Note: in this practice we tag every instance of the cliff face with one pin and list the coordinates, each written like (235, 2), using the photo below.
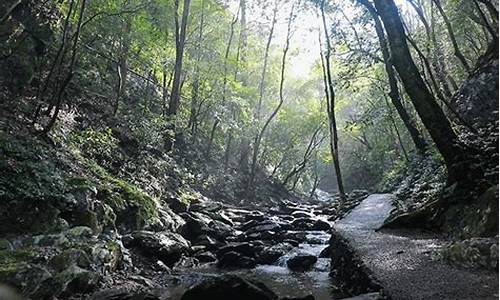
(477, 99)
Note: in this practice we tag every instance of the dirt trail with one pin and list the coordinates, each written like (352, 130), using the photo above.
(403, 262)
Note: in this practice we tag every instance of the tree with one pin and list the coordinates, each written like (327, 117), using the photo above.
(180, 40)
(415, 134)
(427, 108)
(330, 96)
(258, 108)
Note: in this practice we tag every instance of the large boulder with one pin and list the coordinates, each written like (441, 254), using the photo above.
(301, 262)
(195, 225)
(166, 246)
(229, 287)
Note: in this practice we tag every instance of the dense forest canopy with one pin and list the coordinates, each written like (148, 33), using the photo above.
(256, 147)
(210, 73)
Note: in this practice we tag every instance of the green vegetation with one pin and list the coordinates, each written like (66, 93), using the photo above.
(128, 103)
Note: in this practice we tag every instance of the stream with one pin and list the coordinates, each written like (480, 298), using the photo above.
(278, 277)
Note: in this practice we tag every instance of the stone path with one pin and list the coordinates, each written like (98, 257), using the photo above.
(402, 261)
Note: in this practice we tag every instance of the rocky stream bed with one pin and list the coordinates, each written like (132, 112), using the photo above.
(214, 252)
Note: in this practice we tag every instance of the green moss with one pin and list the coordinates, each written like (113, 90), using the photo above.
(80, 183)
(10, 260)
(121, 195)
(188, 196)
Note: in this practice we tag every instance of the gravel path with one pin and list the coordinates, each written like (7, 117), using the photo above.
(402, 261)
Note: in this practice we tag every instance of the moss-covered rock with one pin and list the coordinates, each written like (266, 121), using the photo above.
(478, 218)
(473, 253)
(108, 255)
(70, 257)
(5, 245)
(18, 270)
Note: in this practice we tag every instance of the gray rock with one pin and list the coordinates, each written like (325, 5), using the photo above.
(236, 260)
(229, 287)
(321, 225)
(301, 262)
(166, 246)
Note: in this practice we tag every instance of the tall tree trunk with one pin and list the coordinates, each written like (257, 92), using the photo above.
(330, 94)
(453, 39)
(122, 67)
(415, 134)
(196, 80)
(244, 146)
(438, 63)
(257, 113)
(180, 39)
(258, 138)
(262, 82)
(425, 104)
(229, 135)
(492, 29)
(70, 72)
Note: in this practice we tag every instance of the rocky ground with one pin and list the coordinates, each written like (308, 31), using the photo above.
(211, 245)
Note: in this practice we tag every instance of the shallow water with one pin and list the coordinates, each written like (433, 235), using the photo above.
(277, 277)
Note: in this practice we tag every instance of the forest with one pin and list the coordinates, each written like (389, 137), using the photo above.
(254, 149)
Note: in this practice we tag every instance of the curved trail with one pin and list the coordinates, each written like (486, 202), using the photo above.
(403, 262)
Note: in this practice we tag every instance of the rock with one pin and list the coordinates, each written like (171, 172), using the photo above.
(25, 277)
(122, 294)
(301, 262)
(219, 230)
(473, 253)
(170, 220)
(77, 280)
(166, 246)
(79, 232)
(236, 260)
(70, 257)
(187, 263)
(246, 249)
(271, 254)
(265, 226)
(205, 257)
(204, 206)
(5, 245)
(303, 224)
(325, 253)
(220, 216)
(302, 214)
(321, 225)
(368, 296)
(55, 240)
(294, 243)
(256, 216)
(249, 224)
(73, 280)
(206, 241)
(309, 297)
(195, 225)
(177, 205)
(108, 254)
(296, 236)
(229, 287)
